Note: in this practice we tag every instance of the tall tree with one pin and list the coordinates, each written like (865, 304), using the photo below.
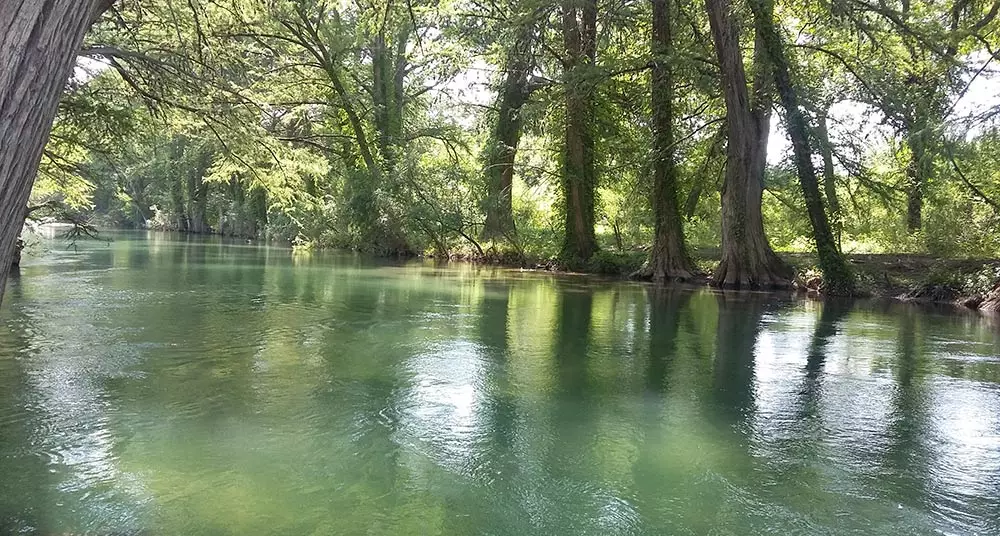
(829, 174)
(37, 50)
(501, 148)
(747, 259)
(669, 258)
(837, 275)
(579, 181)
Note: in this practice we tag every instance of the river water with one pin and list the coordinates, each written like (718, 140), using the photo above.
(168, 385)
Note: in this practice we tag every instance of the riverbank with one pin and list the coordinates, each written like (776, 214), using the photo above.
(966, 283)
(972, 284)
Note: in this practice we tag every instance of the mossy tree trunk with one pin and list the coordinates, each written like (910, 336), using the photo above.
(747, 259)
(919, 169)
(579, 181)
(837, 276)
(669, 258)
(178, 209)
(501, 149)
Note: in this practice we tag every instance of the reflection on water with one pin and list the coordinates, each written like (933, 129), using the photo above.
(166, 385)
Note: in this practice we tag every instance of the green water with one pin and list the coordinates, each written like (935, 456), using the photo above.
(163, 386)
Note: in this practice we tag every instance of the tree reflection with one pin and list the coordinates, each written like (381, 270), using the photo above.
(667, 307)
(830, 319)
(739, 325)
(907, 455)
(497, 462)
(573, 340)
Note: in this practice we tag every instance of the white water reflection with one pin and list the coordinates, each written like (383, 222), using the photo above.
(440, 410)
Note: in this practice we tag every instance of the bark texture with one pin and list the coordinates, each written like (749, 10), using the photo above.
(506, 135)
(38, 44)
(747, 258)
(837, 276)
(669, 258)
(579, 21)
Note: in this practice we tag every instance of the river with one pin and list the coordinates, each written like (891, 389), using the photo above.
(162, 384)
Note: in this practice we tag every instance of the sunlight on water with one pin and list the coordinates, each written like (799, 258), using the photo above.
(170, 385)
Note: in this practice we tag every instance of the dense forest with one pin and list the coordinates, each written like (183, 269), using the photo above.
(665, 138)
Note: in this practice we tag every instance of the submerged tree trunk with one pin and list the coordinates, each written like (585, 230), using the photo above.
(38, 46)
(502, 146)
(669, 258)
(579, 172)
(837, 276)
(747, 259)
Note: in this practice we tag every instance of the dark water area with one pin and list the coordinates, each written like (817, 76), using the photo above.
(162, 384)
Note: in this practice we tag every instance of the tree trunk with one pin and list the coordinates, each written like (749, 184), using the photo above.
(837, 276)
(38, 46)
(579, 172)
(760, 110)
(178, 210)
(198, 191)
(502, 148)
(389, 68)
(258, 200)
(197, 206)
(917, 172)
(829, 176)
(669, 258)
(388, 77)
(747, 259)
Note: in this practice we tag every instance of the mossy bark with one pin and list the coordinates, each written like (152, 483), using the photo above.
(829, 174)
(501, 149)
(918, 171)
(837, 276)
(669, 258)
(579, 181)
(747, 258)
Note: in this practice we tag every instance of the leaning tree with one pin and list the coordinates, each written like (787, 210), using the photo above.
(38, 49)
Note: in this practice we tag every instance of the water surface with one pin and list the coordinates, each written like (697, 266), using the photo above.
(169, 385)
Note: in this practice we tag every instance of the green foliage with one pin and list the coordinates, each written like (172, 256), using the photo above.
(618, 264)
(361, 126)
